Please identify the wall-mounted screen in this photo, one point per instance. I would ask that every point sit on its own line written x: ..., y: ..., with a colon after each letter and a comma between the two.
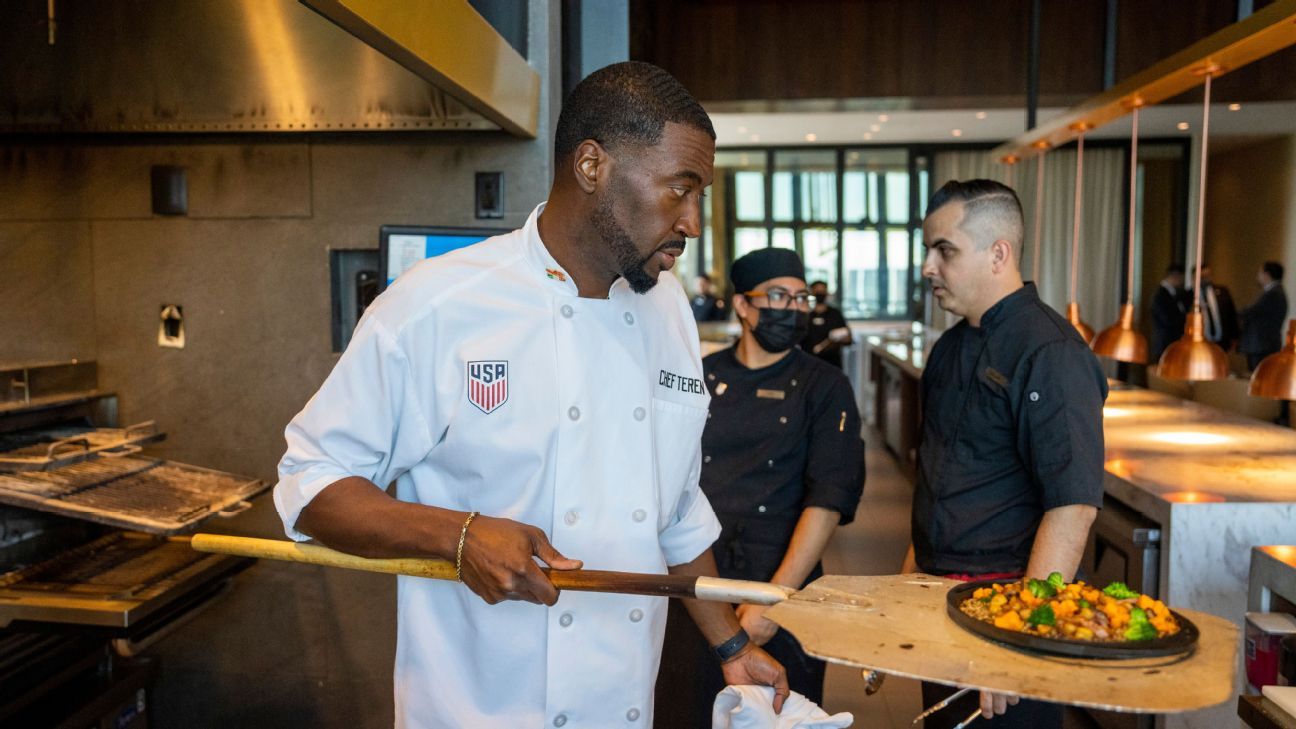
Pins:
x: 402, y: 246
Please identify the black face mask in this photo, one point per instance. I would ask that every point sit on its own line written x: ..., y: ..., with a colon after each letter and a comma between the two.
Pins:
x: 778, y: 330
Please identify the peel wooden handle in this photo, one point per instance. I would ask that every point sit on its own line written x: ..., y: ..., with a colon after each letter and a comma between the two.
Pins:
x: 629, y: 583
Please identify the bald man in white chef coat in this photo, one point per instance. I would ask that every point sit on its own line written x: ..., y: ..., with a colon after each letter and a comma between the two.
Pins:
x: 537, y: 395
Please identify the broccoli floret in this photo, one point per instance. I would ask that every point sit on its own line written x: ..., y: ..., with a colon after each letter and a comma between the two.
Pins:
x: 1042, y: 615
x: 1040, y: 588
x: 1083, y: 604
x: 1055, y: 579
x: 1139, y: 627
x: 1119, y: 591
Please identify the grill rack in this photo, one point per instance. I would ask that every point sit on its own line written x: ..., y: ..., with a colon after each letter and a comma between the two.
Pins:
x: 159, y: 497
x: 58, y: 446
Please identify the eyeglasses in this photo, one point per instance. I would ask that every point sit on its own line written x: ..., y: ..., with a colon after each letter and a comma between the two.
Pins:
x: 780, y: 298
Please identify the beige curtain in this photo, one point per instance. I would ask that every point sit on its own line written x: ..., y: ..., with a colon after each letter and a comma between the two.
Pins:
x: 1101, y: 233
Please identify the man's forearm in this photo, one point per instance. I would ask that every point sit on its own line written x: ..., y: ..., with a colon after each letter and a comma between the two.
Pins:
x: 1060, y: 541
x: 809, y: 539
x: 353, y: 515
x: 716, y: 620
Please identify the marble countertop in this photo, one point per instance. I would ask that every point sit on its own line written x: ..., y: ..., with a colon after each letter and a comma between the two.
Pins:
x: 908, y: 347
x: 1181, y: 452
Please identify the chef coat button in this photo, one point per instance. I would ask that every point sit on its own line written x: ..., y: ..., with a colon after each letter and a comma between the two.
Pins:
x: 629, y: 318
x: 794, y: 383
x: 567, y: 311
x: 565, y: 620
x: 636, y: 615
x: 761, y: 508
x: 632, y: 715
x: 560, y: 720
x: 571, y: 517
x: 640, y: 413
x: 573, y: 412
x: 783, y: 419
x: 769, y: 463
x: 1034, y: 396
x: 639, y: 515
x: 711, y: 377
x: 706, y: 459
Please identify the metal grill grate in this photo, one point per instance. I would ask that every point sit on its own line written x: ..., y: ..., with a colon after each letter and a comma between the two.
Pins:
x: 116, y: 565
x: 128, y: 492
x: 55, y: 447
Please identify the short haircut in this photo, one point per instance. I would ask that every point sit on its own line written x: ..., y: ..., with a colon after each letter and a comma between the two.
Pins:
x: 818, y: 283
x: 626, y: 103
x: 1174, y: 268
x: 1273, y: 269
x: 704, y: 277
x: 991, y: 211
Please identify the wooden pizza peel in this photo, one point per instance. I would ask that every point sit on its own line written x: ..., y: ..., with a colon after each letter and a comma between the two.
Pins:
x: 894, y: 624
x: 897, y: 624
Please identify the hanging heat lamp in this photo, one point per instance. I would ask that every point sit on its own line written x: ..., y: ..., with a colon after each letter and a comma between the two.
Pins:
x: 1120, y: 341
x: 1042, y: 146
x: 1276, y: 375
x: 1194, y: 357
x: 1073, y: 309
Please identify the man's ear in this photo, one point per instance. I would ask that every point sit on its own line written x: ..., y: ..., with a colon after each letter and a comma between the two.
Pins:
x: 1000, y: 255
x: 590, y: 164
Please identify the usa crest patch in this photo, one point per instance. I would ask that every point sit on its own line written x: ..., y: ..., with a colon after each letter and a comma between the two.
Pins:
x: 488, y: 384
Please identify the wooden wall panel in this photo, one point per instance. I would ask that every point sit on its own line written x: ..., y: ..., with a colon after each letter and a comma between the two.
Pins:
x: 936, y: 52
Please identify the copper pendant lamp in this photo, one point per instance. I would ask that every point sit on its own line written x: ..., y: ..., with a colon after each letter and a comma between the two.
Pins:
x: 1120, y: 341
x: 1073, y: 309
x: 1193, y: 357
x: 1276, y: 375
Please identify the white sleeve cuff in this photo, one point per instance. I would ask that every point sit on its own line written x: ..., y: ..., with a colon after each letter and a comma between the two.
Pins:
x: 295, y: 490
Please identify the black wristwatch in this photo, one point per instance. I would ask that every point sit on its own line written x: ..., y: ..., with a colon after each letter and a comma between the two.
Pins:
x: 731, y: 647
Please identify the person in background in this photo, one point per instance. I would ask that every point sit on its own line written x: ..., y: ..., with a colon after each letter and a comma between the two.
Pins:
x: 828, y: 332
x: 536, y: 396
x: 706, y: 307
x: 782, y: 465
x: 1010, y: 460
x: 1219, y: 313
x: 1169, y: 310
x: 1262, y: 322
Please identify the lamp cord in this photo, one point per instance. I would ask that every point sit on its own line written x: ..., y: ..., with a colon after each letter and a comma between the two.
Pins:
x: 1075, y: 228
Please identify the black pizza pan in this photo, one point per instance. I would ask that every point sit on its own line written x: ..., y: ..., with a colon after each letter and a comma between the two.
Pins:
x: 1182, y: 642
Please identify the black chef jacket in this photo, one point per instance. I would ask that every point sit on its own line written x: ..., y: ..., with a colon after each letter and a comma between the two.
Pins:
x: 778, y: 439
x: 1012, y: 427
x: 708, y: 308
x: 820, y: 325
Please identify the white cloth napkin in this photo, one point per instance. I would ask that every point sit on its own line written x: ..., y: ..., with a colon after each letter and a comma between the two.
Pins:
x: 1284, y: 696
x: 752, y: 707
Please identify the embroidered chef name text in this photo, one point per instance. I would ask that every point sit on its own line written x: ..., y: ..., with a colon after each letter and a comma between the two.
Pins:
x: 672, y: 381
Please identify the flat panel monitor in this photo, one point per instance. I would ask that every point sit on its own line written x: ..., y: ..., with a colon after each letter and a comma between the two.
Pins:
x: 402, y: 246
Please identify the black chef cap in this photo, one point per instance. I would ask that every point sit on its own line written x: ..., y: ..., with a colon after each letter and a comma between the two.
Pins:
x: 759, y: 266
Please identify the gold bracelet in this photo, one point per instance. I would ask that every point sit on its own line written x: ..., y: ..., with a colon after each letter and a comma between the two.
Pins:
x: 463, y: 534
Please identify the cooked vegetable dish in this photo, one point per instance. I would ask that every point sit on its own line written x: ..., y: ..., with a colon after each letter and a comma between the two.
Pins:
x: 1055, y: 609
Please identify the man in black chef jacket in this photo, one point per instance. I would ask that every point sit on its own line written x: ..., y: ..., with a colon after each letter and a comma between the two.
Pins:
x: 1010, y: 463
x: 782, y: 465
x: 828, y: 331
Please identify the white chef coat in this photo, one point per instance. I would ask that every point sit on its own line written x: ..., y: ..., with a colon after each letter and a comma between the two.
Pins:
x: 597, y: 442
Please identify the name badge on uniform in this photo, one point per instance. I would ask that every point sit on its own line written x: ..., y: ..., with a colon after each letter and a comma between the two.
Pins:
x: 771, y: 394
x: 996, y: 377
x: 488, y: 384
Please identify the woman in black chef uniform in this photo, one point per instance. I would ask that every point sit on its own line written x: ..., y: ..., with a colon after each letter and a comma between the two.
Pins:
x: 782, y: 465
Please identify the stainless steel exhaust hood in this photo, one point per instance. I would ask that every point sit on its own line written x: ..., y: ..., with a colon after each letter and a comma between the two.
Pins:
x: 242, y: 66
